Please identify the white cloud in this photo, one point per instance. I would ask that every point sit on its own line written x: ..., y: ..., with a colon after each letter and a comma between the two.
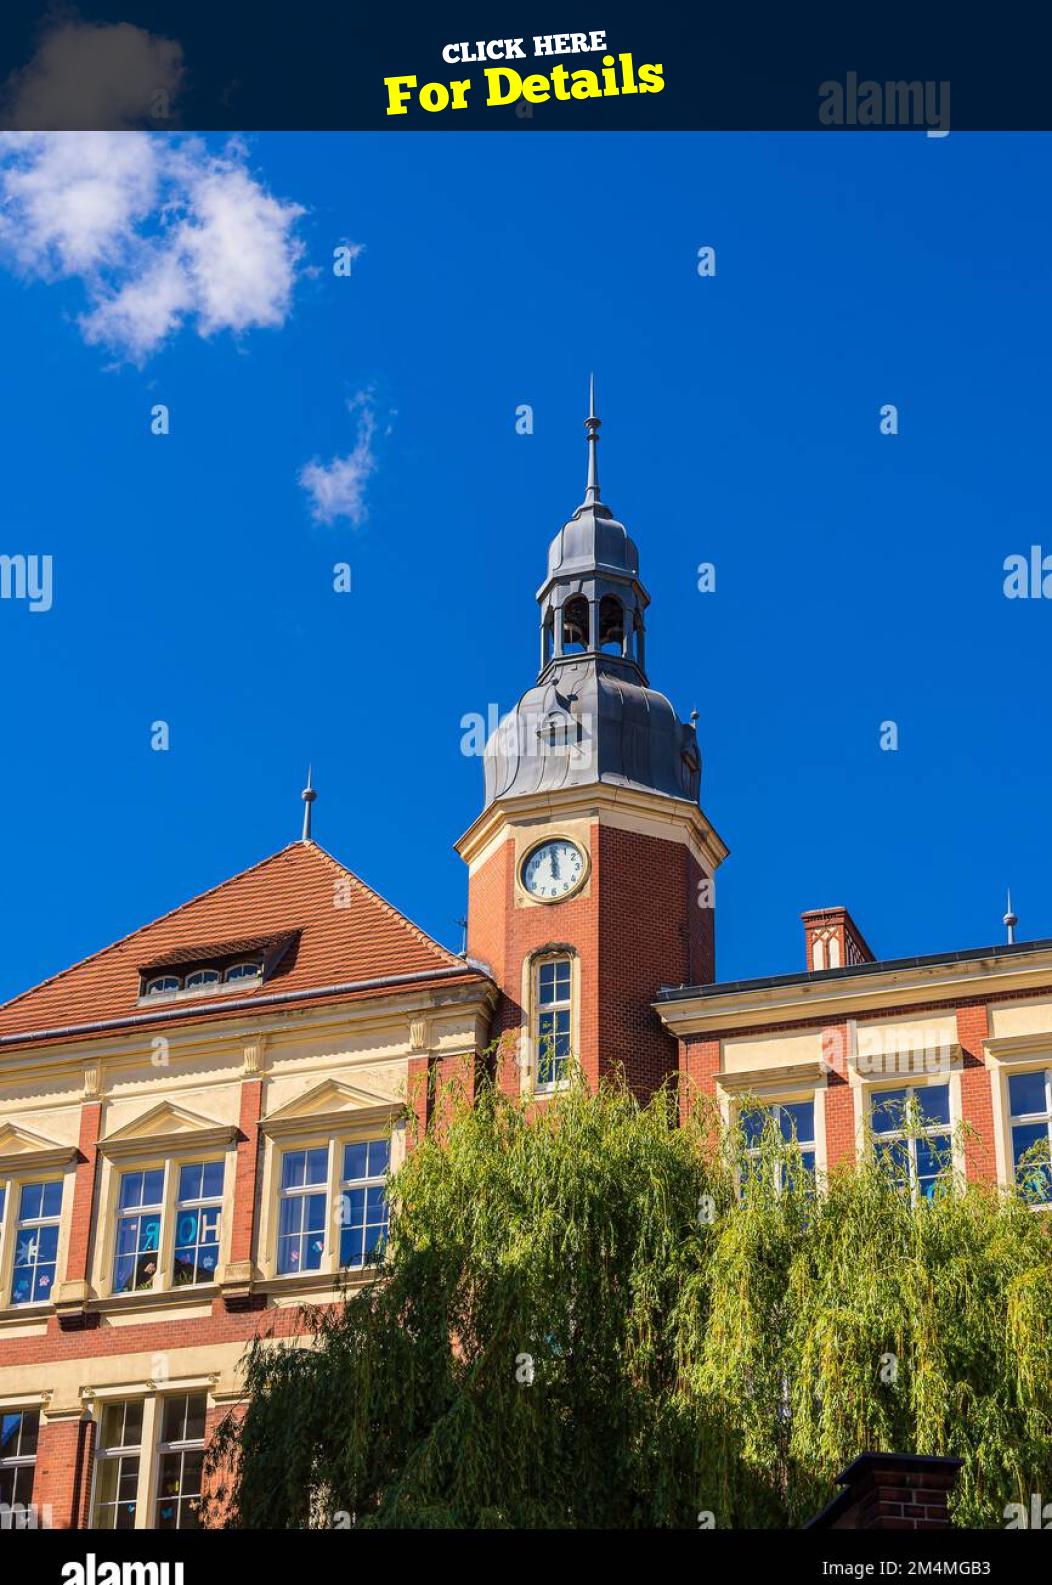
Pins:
x: 92, y: 75
x: 337, y: 488
x: 161, y: 232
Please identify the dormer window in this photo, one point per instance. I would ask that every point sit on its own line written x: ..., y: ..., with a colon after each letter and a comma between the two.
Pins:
x: 163, y: 985
x: 210, y: 972
x: 202, y: 977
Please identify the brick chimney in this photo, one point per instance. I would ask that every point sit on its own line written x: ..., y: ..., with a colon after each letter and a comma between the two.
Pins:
x: 833, y: 940
x: 891, y: 1491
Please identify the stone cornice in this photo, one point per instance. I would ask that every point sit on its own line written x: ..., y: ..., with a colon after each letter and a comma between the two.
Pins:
x: 595, y: 801
x: 853, y: 995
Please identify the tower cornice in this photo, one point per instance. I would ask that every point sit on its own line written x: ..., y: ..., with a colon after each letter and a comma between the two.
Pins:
x: 616, y: 805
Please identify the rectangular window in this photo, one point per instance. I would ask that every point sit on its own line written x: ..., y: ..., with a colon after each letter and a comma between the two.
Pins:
x: 1030, y: 1108
x: 198, y: 1217
x: 117, y: 1466
x: 301, y: 1215
x: 554, y: 1009
x: 138, y: 1248
x: 18, y: 1456
x: 363, y: 1203
x: 795, y: 1122
x: 918, y: 1156
x: 182, y: 1455
x: 36, y: 1243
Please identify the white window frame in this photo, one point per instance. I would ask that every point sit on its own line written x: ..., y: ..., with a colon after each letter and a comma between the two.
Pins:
x: 1025, y: 1118
x: 13, y: 1224
x: 761, y: 1103
x: 18, y: 1461
x: 333, y: 1142
x: 243, y: 979
x: 171, y: 1165
x: 162, y: 1448
x: 873, y: 1093
x: 531, y: 1036
x: 104, y: 1455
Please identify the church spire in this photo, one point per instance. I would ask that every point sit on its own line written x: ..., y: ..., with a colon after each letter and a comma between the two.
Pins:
x: 591, y: 423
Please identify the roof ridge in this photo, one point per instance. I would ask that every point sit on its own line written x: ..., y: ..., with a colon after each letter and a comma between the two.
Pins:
x: 129, y: 935
x: 397, y: 913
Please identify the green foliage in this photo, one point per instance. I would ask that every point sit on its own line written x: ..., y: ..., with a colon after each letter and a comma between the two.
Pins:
x: 692, y: 1351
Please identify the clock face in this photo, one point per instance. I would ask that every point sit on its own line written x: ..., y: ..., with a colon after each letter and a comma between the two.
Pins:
x: 553, y: 870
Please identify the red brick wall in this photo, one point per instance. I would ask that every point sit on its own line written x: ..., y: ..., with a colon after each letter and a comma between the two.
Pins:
x: 638, y: 925
x: 976, y: 1092
x: 62, y: 1478
x: 699, y: 1063
x: 502, y: 936
x: 242, y: 1229
x: 653, y: 931
x: 83, y: 1193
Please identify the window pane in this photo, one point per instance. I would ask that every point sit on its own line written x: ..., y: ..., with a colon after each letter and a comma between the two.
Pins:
x: 754, y: 1121
x: 798, y: 1121
x: 887, y: 1111
x: 933, y: 1158
x: 934, y: 1103
x: 32, y: 1197
x: 1026, y: 1093
x: 190, y: 1182
x: 292, y: 1169
x: 212, y: 1180
x: 1030, y: 1152
x: 894, y: 1157
x: 355, y: 1161
x: 52, y: 1199
x: 317, y: 1165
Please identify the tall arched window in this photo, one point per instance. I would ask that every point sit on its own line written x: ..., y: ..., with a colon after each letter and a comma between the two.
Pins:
x: 575, y: 625
x: 611, y: 625
x: 552, y: 1019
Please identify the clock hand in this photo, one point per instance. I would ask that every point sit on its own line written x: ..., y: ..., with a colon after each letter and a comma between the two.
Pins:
x: 555, y: 864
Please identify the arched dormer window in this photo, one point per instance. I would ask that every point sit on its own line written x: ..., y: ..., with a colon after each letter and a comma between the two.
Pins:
x: 611, y: 625
x: 575, y: 625
x: 202, y: 977
x: 243, y: 971
x: 163, y: 985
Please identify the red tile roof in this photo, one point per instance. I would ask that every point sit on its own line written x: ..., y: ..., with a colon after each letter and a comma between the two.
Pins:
x: 343, y: 931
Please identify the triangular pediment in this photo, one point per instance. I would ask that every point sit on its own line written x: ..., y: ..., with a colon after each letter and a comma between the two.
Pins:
x: 331, y: 1098
x: 167, y: 1124
x: 21, y: 1144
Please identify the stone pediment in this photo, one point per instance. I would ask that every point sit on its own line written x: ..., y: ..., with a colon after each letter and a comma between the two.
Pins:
x: 164, y: 1128
x: 332, y: 1101
x: 20, y: 1147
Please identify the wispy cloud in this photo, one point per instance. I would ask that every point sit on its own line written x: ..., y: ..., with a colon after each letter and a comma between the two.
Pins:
x: 162, y: 232
x: 337, y: 488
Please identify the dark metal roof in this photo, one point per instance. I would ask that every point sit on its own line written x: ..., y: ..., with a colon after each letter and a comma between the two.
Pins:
x: 675, y: 993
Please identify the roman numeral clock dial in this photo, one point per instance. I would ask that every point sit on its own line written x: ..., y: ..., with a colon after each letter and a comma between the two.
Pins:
x: 553, y: 870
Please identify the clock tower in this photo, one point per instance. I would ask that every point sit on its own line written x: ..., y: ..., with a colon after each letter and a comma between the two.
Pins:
x: 591, y: 865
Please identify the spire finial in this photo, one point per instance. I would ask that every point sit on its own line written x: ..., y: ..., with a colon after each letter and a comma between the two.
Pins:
x: 308, y: 795
x: 1010, y: 920
x: 592, y: 423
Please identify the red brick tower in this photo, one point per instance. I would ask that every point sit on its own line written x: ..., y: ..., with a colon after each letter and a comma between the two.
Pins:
x: 591, y: 866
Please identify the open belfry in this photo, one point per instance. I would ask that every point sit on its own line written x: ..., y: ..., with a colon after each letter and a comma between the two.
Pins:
x: 198, y: 1124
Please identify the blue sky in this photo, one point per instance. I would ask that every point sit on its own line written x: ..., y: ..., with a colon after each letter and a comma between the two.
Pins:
x: 859, y: 576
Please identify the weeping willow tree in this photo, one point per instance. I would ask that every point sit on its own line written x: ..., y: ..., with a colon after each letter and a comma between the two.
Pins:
x: 589, y: 1316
